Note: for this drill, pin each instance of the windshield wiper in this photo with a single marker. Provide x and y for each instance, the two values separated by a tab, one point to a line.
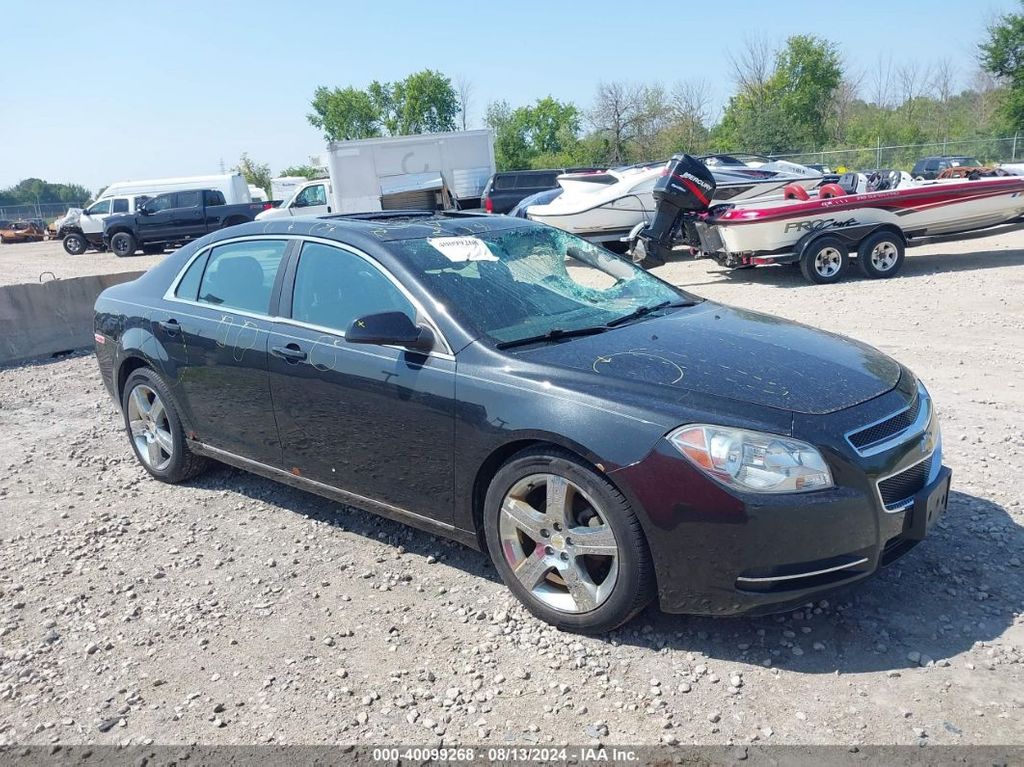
643	311
555	334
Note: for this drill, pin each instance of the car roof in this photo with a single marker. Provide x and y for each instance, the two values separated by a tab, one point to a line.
382	226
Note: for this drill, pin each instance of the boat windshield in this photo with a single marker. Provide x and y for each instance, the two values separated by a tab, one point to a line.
513	284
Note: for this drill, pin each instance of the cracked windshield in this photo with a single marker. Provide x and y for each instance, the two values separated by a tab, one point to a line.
521	283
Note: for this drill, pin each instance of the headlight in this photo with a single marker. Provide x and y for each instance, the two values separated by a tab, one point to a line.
752	460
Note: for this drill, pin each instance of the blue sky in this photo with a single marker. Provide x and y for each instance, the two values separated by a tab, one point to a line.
120	90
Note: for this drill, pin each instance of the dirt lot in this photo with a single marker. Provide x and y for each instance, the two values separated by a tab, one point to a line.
235	610
40	261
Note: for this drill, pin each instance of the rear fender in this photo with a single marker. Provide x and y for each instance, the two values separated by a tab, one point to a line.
849	236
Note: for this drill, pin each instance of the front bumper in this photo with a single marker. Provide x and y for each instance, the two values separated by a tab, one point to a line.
719	552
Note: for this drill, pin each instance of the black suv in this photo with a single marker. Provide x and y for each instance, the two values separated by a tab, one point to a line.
505	189
930	167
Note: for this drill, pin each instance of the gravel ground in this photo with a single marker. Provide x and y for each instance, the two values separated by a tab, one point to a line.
41	261
236	610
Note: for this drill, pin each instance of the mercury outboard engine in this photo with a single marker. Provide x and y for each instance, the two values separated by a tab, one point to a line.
686	186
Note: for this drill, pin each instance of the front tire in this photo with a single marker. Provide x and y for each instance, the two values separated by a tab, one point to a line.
75	244
881	255
566	543
123	244
825	261
155	431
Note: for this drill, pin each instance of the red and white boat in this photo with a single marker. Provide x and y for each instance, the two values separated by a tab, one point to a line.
870	217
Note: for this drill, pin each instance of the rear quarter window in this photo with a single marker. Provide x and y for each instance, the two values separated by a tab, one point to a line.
188	287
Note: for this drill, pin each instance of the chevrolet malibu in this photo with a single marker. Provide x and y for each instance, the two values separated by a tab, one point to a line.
606	437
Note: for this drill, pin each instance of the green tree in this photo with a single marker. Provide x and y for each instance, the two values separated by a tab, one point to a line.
787	107
424	102
254	173
307	171
1003	56
344	113
36	190
544	134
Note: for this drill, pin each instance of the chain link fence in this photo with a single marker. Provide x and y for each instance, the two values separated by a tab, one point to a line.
903	156
47	211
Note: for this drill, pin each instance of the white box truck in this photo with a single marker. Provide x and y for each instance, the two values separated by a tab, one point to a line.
430	170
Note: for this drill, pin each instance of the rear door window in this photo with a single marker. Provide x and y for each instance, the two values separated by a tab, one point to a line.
240	275
120	205
192	199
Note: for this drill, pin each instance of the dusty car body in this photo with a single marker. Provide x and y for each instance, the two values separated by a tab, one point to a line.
605	440
22	231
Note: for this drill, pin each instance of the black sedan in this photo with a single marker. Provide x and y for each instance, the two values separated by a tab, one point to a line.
606	437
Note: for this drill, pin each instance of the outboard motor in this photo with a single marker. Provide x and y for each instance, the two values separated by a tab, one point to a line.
686	186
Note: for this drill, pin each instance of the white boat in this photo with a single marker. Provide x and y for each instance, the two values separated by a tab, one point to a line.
607	205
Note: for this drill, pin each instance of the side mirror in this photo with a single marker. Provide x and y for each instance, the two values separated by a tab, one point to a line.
144	211
390	329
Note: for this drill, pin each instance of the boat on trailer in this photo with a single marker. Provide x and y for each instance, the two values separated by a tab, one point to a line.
869	217
606	206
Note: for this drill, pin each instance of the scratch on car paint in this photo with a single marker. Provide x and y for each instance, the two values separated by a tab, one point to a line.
241	337
673	369
324	354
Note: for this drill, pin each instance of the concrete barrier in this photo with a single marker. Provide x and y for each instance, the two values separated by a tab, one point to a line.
55	316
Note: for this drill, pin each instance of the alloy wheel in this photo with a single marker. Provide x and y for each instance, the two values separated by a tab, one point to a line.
558	543
828	262
150	428
884	256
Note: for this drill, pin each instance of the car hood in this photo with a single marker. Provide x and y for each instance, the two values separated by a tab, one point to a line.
722	351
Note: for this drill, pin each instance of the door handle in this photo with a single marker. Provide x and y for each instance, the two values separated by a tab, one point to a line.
328	208
289	353
171	326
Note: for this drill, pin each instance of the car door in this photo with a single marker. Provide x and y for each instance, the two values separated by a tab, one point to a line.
155	218
188	219
92	218
375	421
215	332
314	200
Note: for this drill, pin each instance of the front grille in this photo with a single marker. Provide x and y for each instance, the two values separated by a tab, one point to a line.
903	486
890	427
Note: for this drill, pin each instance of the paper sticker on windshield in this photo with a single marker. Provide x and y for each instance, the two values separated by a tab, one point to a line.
461	249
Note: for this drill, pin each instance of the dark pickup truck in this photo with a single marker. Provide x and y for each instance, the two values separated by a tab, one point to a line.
175	218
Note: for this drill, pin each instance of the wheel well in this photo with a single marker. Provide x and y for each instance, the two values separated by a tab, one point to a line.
128	367
495	461
235	221
886	228
119	230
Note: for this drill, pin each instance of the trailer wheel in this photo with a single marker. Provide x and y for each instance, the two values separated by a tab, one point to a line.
824	261
881	255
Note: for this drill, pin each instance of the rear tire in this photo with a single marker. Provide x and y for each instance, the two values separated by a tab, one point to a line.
123	244
881	255
154	429
825	261
557	558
